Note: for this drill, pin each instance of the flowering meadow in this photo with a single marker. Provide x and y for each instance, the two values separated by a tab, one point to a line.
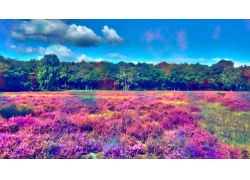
125	125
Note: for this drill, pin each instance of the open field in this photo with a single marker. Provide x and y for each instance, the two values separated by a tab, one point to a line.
118	124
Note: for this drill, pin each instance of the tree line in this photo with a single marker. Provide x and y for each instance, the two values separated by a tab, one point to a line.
51	74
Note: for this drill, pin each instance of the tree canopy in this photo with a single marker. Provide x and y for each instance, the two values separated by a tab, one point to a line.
51	74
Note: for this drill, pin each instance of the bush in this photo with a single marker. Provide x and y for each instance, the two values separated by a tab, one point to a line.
12	111
23	111
195	109
221	93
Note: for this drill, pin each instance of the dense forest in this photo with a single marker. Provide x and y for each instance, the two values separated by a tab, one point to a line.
51	74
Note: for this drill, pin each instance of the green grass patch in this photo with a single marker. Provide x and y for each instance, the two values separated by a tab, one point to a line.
229	126
86	97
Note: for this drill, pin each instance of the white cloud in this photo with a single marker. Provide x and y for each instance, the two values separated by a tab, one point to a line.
13	46
98	60
56	31
111	37
88	59
62	52
42	27
238	63
39	57
18	36
117	56
41	50
81	58
27	50
82	36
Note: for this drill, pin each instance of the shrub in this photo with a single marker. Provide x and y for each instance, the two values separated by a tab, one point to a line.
24	110
221	93
12	110
9	111
195	109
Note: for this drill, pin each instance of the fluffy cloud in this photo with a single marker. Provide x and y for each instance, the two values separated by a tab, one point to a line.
181	40
111	37
18	36
86	58
117	56
56	31
28	50
216	34
62	52
81	58
82	36
42	27
41	50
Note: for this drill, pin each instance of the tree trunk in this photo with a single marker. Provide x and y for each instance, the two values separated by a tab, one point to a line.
65	85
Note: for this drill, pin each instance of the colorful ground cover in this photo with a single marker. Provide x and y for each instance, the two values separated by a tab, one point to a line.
121	125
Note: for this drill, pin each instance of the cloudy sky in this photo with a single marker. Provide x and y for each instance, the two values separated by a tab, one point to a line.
153	41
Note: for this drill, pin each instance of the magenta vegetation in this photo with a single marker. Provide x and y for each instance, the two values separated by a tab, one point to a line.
115	125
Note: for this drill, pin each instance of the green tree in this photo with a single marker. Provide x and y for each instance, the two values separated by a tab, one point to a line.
175	76
48	72
231	78
64	75
127	77
3	69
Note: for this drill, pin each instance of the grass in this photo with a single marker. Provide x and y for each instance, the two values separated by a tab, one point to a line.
230	127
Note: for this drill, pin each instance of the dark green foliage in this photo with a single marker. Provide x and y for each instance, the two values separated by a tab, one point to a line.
12	110
51	74
50	60
231	78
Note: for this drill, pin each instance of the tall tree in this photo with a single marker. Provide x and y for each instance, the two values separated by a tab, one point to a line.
48	72
3	69
64	75
231	78
127	77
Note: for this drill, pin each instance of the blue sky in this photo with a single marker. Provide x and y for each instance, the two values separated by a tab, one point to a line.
152	41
